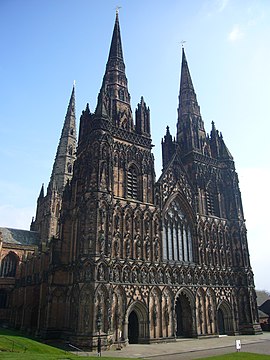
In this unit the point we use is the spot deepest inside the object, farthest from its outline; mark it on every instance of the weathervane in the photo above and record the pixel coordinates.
(183, 42)
(117, 9)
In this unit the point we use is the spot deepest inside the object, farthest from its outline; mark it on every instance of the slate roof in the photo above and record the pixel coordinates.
(262, 296)
(262, 314)
(19, 237)
(265, 307)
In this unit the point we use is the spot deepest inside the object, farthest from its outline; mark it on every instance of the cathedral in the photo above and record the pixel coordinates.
(123, 257)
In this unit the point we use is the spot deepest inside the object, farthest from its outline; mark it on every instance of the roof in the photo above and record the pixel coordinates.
(19, 237)
(262, 296)
(265, 307)
(262, 314)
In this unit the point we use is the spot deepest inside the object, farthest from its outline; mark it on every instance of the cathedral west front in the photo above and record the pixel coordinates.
(126, 257)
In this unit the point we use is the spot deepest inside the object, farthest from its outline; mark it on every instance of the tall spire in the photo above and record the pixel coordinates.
(114, 88)
(116, 45)
(190, 127)
(65, 155)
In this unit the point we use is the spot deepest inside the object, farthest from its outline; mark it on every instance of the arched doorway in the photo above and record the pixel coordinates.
(221, 324)
(224, 319)
(136, 328)
(183, 317)
(133, 328)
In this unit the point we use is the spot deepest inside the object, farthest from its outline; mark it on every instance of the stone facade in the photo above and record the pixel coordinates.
(129, 258)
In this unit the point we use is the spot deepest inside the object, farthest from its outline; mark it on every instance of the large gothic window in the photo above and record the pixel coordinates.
(8, 266)
(132, 183)
(177, 238)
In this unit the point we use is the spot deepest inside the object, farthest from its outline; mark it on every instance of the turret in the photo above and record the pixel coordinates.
(214, 141)
(84, 123)
(143, 119)
(168, 148)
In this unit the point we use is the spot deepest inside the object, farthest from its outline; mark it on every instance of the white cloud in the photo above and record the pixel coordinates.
(214, 7)
(222, 4)
(236, 34)
(254, 183)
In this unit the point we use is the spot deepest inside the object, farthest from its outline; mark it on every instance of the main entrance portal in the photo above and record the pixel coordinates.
(183, 317)
(133, 328)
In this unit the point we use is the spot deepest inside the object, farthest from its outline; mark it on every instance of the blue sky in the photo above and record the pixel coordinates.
(46, 45)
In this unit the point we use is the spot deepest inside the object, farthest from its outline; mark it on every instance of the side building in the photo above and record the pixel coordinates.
(129, 259)
(16, 246)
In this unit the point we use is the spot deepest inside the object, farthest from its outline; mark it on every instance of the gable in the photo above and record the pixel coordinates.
(174, 180)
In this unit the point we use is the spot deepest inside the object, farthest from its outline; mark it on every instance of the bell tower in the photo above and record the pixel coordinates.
(109, 218)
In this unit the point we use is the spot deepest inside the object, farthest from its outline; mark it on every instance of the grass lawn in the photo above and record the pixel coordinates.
(14, 345)
(238, 356)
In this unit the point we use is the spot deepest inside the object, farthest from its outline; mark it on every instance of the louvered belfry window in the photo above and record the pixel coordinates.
(132, 183)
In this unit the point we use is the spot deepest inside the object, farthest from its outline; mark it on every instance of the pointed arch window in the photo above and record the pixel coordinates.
(121, 94)
(177, 232)
(69, 168)
(70, 150)
(8, 266)
(132, 183)
(212, 202)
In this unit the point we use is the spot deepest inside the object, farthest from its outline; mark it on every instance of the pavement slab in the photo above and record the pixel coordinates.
(189, 349)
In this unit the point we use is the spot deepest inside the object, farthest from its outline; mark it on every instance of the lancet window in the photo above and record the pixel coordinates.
(177, 235)
(8, 266)
(132, 183)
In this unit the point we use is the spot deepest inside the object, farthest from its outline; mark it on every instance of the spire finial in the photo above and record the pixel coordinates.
(117, 9)
(74, 83)
(182, 43)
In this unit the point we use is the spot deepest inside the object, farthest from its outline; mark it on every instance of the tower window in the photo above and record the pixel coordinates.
(132, 183)
(69, 168)
(121, 94)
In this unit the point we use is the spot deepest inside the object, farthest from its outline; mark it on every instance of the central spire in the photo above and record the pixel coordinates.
(114, 90)
(116, 45)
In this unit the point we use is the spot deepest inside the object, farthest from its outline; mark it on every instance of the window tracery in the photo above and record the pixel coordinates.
(177, 244)
(8, 266)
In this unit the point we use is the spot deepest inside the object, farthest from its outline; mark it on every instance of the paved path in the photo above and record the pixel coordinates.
(187, 349)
